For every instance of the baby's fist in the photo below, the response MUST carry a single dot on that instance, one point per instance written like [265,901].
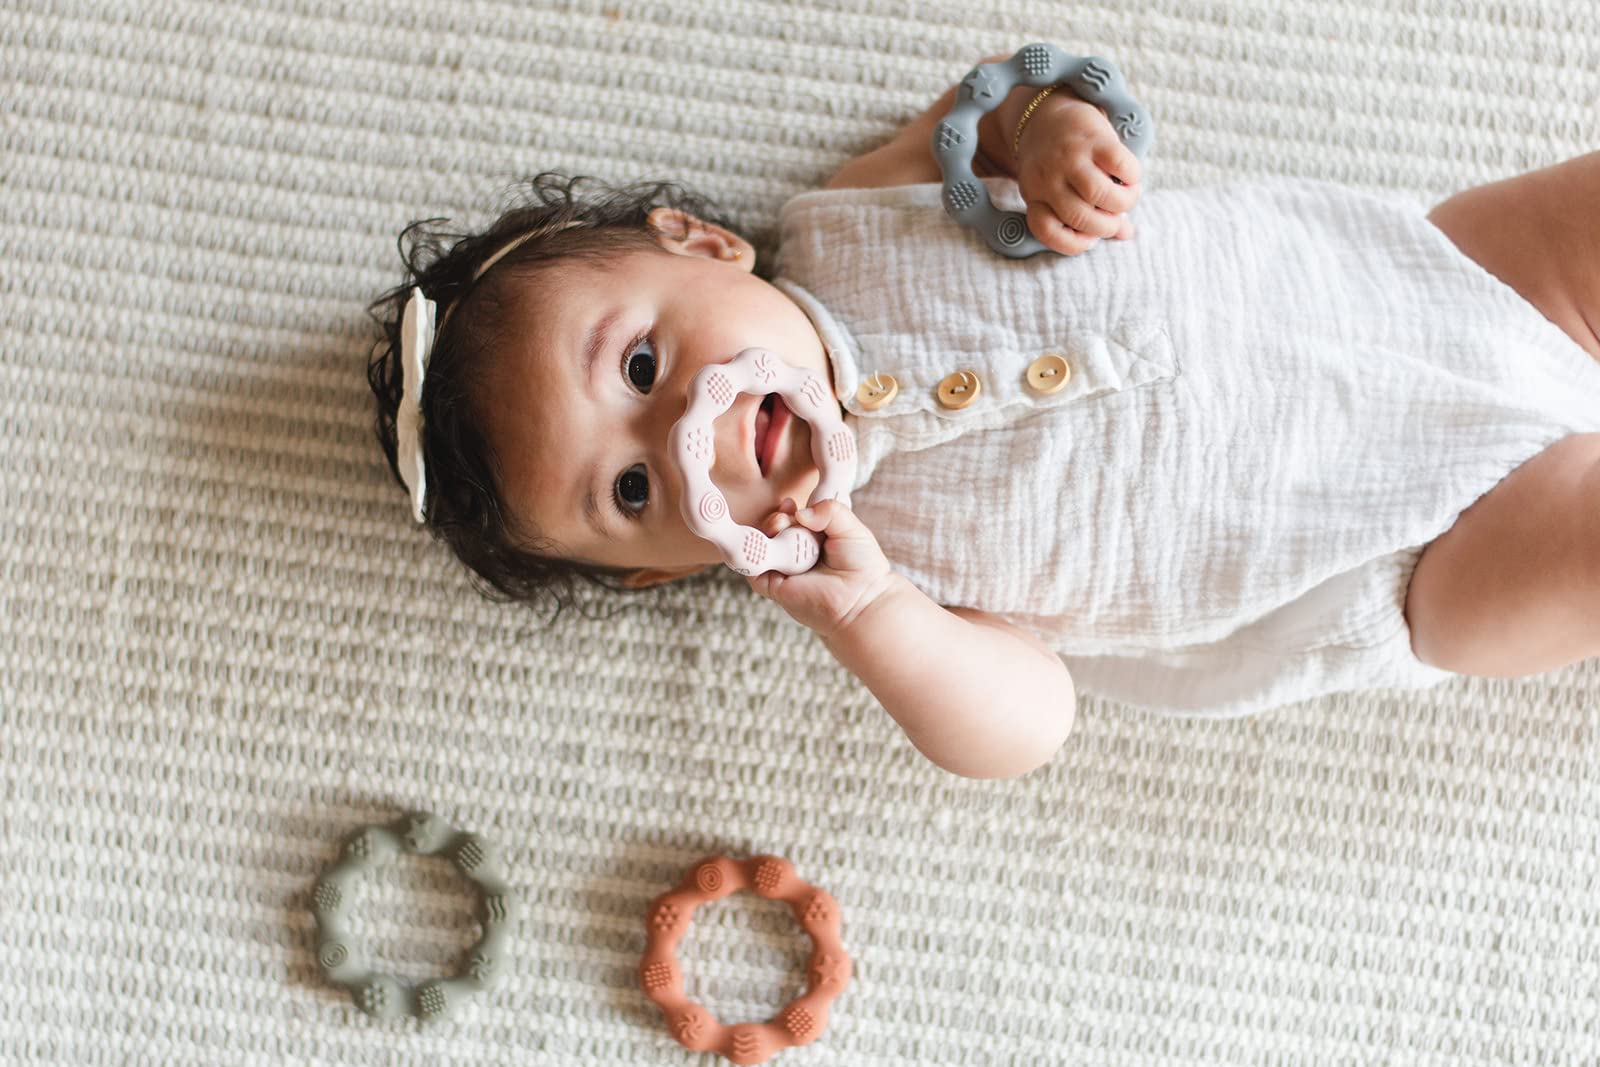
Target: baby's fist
[851,572]
[1079,180]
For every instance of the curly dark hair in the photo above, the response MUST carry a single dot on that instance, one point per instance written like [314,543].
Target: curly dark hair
[464,505]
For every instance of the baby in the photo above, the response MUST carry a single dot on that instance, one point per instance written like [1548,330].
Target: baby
[1284,439]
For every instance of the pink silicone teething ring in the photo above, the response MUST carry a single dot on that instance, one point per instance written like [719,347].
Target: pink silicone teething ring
[711,392]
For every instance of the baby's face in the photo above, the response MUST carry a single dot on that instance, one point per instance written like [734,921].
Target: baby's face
[563,433]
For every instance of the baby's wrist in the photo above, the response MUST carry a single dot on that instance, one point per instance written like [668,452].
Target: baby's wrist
[890,586]
[1063,99]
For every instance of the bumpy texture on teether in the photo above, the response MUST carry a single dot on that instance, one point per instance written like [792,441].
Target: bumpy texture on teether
[711,392]
[955,139]
[345,961]
[802,1020]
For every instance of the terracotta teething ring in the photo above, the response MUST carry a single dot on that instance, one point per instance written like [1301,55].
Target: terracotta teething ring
[802,1020]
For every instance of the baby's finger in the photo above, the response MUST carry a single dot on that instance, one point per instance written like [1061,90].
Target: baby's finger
[1120,164]
[1053,233]
[1099,192]
[1077,215]
[829,517]
[779,520]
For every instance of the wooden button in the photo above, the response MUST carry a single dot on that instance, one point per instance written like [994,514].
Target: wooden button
[1048,373]
[877,391]
[958,390]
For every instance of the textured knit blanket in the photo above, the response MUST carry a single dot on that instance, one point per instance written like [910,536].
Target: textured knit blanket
[224,645]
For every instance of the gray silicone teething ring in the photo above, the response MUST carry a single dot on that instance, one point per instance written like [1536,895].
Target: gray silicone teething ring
[955,139]
[344,960]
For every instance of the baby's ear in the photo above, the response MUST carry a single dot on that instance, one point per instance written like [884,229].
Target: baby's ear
[643,579]
[684,234]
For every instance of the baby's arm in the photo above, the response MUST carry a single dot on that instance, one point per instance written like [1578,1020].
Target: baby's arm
[1077,178]
[908,159]
[976,695]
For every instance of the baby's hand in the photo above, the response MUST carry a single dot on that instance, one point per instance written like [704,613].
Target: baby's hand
[850,574]
[1076,175]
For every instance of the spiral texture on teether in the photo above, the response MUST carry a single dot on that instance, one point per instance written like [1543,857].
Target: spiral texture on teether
[709,878]
[713,507]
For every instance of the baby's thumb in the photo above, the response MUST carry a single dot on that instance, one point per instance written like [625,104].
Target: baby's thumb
[781,519]
[831,516]
[773,525]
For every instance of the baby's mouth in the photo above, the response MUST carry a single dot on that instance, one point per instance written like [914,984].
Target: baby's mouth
[763,424]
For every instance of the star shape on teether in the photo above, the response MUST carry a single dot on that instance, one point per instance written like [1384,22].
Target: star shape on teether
[980,84]
[828,970]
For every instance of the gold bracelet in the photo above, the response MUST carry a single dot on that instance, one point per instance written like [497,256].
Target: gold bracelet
[1016,142]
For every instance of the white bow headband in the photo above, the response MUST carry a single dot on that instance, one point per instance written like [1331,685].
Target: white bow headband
[417,335]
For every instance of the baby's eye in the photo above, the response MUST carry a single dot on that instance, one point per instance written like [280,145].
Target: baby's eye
[634,362]
[633,486]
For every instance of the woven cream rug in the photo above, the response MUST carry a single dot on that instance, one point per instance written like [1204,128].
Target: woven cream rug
[223,645]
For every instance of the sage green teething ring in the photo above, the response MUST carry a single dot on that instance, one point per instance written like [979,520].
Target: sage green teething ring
[346,962]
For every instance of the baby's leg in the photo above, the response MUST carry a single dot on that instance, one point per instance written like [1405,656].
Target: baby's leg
[1540,234]
[1513,587]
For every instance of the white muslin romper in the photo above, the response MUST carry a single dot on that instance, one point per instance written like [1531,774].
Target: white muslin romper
[1280,391]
